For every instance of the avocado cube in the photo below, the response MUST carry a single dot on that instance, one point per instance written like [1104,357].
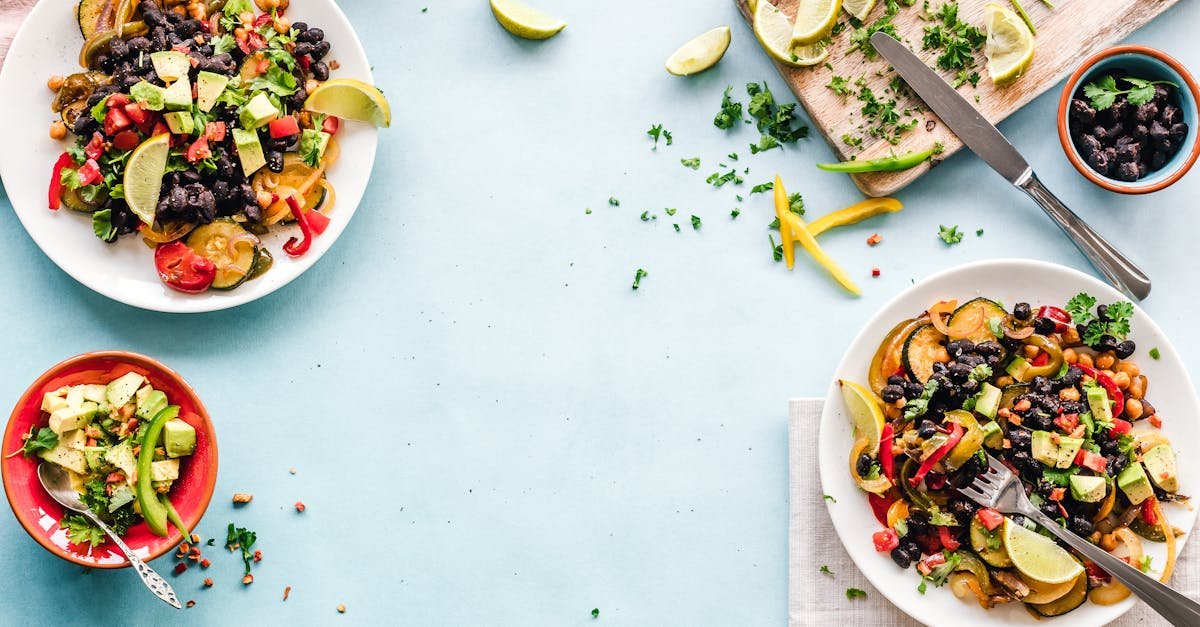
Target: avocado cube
[151,96]
[94,393]
[208,88]
[121,497]
[75,396]
[52,401]
[993,435]
[1134,483]
[180,122]
[989,396]
[1043,448]
[1088,489]
[73,439]
[1097,400]
[1018,368]
[122,457]
[94,456]
[69,418]
[257,112]
[149,407]
[170,65]
[1160,466]
[122,389]
[313,142]
[69,458]
[164,470]
[179,438]
[249,151]
[178,96]
[1068,448]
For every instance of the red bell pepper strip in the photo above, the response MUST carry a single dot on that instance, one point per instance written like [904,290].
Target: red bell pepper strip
[262,20]
[1114,392]
[886,461]
[886,540]
[989,518]
[89,173]
[947,539]
[1148,515]
[319,222]
[1060,317]
[64,161]
[293,247]
[285,126]
[956,434]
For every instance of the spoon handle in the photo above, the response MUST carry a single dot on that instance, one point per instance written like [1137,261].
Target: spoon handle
[152,579]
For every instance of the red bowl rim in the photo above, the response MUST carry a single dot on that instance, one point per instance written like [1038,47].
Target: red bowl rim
[1064,103]
[134,359]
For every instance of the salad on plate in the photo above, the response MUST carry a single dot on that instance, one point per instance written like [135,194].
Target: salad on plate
[1055,394]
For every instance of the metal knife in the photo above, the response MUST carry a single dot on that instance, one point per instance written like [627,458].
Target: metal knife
[984,140]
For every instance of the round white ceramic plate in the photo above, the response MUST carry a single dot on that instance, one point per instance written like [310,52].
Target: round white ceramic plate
[1008,281]
[48,43]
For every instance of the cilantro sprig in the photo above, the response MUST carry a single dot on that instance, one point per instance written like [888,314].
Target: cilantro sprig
[43,439]
[1104,92]
[951,235]
[1115,321]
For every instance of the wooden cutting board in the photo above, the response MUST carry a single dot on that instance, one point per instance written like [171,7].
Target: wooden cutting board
[1066,35]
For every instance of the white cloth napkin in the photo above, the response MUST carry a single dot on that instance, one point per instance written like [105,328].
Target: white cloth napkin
[815,598]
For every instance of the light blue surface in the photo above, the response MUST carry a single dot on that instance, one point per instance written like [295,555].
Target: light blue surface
[489,426]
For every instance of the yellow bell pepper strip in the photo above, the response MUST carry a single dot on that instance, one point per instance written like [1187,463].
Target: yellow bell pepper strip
[792,229]
[153,509]
[854,214]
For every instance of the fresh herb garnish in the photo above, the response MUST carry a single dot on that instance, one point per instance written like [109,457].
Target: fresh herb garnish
[102,225]
[638,276]
[1103,93]
[825,570]
[775,121]
[1155,354]
[595,612]
[670,211]
[855,593]
[1144,563]
[716,179]
[762,187]
[44,439]
[614,202]
[776,249]
[829,498]
[1115,321]
[957,40]
[696,222]
[657,131]
[950,235]
[730,113]
[916,407]
[241,538]
[734,214]
[81,531]
[693,163]
[840,85]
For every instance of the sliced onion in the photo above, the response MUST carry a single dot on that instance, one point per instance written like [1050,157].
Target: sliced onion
[1018,334]
[944,307]
[241,238]
[1110,594]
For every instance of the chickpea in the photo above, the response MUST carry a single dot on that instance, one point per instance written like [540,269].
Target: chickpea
[1085,360]
[266,5]
[1031,351]
[239,33]
[1004,381]
[1070,336]
[1105,360]
[55,82]
[197,11]
[1121,379]
[1069,394]
[265,199]
[58,130]
[1070,356]
[1095,537]
[1108,542]
[281,24]
[310,86]
[1137,386]
[1133,408]
[1128,368]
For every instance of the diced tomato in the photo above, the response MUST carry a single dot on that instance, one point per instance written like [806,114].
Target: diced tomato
[264,64]
[1148,515]
[1057,494]
[262,20]
[319,222]
[331,125]
[879,504]
[198,150]
[286,126]
[115,121]
[1095,571]
[1120,427]
[929,562]
[215,131]
[1042,359]
[117,101]
[159,129]
[126,140]
[886,540]
[95,147]
[1067,422]
[305,62]
[89,173]
[947,538]
[136,113]
[1060,317]
[182,269]
[990,518]
[1091,461]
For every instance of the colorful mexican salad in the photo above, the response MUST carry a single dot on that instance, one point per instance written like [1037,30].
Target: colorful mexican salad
[199,126]
[122,444]
[1051,391]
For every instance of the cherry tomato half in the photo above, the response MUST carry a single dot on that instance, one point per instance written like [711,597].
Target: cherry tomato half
[182,269]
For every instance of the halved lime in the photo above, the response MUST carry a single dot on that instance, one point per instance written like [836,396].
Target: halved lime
[525,21]
[814,21]
[858,9]
[1009,46]
[144,174]
[865,414]
[350,99]
[1037,557]
[700,53]
[774,32]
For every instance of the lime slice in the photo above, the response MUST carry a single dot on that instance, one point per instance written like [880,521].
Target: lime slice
[752,5]
[144,174]
[1009,46]
[858,9]
[774,32]
[700,53]
[1037,557]
[525,21]
[865,414]
[815,20]
[349,99]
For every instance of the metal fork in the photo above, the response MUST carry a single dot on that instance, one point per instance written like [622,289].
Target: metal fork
[999,488]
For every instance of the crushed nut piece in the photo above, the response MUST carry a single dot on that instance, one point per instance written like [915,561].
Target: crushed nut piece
[258,556]
[341,608]
[195,539]
[874,240]
[300,506]
[247,580]
[180,567]
[242,497]
[191,603]
[204,563]
[287,590]
[292,470]
[208,582]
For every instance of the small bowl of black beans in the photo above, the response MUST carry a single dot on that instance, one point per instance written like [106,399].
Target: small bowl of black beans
[1127,119]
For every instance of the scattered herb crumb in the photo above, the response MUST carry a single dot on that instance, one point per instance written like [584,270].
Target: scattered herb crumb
[716,179]
[612,200]
[978,232]
[730,113]
[950,235]
[595,612]
[693,163]
[776,249]
[587,211]
[762,187]
[696,222]
[676,225]
[830,498]
[840,85]
[733,156]
[1155,354]
[777,123]
[855,593]
[735,213]
[658,132]
[671,211]
[646,217]
[239,538]
[638,276]
[825,570]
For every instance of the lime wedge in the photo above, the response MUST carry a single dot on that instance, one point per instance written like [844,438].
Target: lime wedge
[700,53]
[1009,46]
[349,99]
[865,414]
[815,20]
[1037,557]
[144,175]
[525,21]
[774,32]
[858,9]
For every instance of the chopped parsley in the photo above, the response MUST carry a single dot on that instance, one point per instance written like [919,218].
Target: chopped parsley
[762,187]
[676,225]
[777,123]
[1103,93]
[950,235]
[696,222]
[737,212]
[829,498]
[916,407]
[614,202]
[978,232]
[825,570]
[957,40]
[638,276]
[730,113]
[855,593]
[1155,354]
[670,211]
[657,131]
[776,249]
[595,612]
[80,530]
[240,538]
[965,76]
[840,85]
[716,179]
[860,39]
[43,440]
[1115,322]
[693,163]
[646,217]
[733,156]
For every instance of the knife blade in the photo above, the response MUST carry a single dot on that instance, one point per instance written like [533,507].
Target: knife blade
[986,141]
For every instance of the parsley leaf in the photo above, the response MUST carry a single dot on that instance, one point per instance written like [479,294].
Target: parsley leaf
[950,235]
[916,407]
[825,570]
[855,593]
[43,440]
[81,531]
[223,44]
[102,225]
[840,85]
[693,163]
[638,276]
[243,539]
[614,202]
[1104,92]
[1080,307]
[1155,354]
[775,122]
[656,131]
[730,113]
[595,612]
[829,498]
[762,187]
[696,222]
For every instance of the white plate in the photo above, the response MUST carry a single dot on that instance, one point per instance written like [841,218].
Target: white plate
[48,43]
[1009,281]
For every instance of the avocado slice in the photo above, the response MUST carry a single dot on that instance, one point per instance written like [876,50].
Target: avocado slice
[257,112]
[1043,448]
[989,395]
[993,435]
[1097,400]
[208,88]
[69,458]
[179,438]
[164,470]
[121,390]
[149,407]
[1134,483]
[178,96]
[1160,466]
[249,151]
[313,141]
[1068,448]
[180,122]
[1088,489]
[121,456]
[1018,368]
[170,65]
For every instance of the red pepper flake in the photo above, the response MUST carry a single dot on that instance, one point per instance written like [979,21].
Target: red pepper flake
[180,567]
[874,240]
[258,556]
[190,603]
[208,582]
[300,506]
[296,247]
[287,591]
[205,563]
[874,271]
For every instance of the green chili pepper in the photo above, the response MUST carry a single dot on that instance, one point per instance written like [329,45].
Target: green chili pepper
[173,516]
[153,509]
[893,163]
[1053,350]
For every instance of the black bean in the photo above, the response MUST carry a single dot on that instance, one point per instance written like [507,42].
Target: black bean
[1146,112]
[1169,115]
[1071,377]
[912,389]
[1158,131]
[320,50]
[172,17]
[1022,310]
[1050,508]
[1082,112]
[1177,131]
[118,48]
[152,15]
[1126,349]
[1041,385]
[927,429]
[1026,463]
[320,71]
[1129,153]
[891,393]
[302,49]
[1081,526]
[299,27]
[971,360]
[988,348]
[275,160]
[863,464]
[1116,463]
[900,556]
[1158,159]
[896,380]
[187,28]
[1019,438]
[1044,326]
[311,36]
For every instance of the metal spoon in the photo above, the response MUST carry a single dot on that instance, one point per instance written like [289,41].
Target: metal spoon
[58,485]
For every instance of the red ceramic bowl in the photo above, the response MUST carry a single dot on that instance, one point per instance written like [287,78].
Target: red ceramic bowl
[39,514]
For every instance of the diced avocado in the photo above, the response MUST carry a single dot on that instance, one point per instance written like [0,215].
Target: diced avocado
[257,112]
[178,96]
[1068,448]
[73,439]
[69,458]
[1097,400]
[1088,489]
[1134,483]
[140,397]
[180,122]
[208,88]
[313,142]
[149,407]
[249,151]
[120,390]
[55,400]
[120,497]
[989,395]
[170,65]
[122,457]
[94,455]
[75,396]
[69,418]
[179,438]
[1160,465]
[993,435]
[164,470]
[94,393]
[1043,448]
[151,96]
[1018,368]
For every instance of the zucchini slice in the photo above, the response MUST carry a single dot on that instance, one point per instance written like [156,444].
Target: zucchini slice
[72,199]
[262,264]
[95,16]
[997,557]
[922,349]
[1068,602]
[970,320]
[231,248]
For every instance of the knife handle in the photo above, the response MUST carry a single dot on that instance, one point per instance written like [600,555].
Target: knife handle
[1115,266]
